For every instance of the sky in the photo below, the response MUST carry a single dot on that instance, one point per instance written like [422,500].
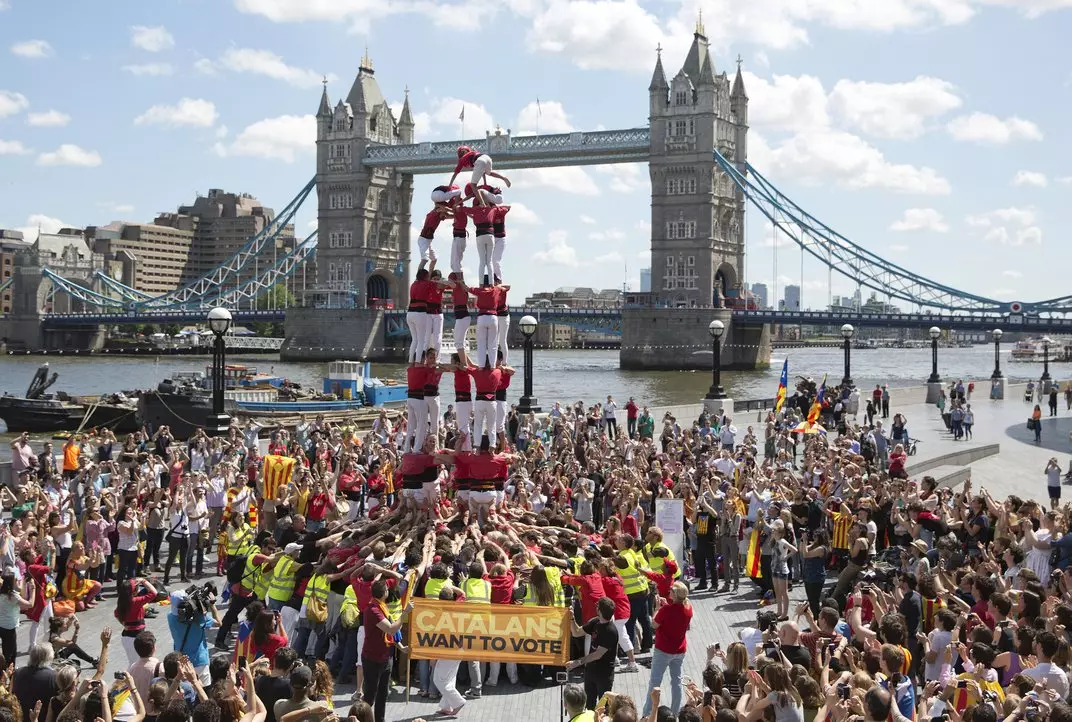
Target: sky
[932,132]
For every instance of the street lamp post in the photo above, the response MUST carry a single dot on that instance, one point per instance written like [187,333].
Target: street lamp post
[1046,341]
[219,321]
[716,328]
[935,332]
[528,402]
[997,353]
[847,331]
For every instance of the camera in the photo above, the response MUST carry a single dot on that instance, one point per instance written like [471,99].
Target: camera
[120,675]
[843,691]
[562,677]
[198,602]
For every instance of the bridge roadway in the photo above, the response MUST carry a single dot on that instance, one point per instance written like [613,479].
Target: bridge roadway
[611,317]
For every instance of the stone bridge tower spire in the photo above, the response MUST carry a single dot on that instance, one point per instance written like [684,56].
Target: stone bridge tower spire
[697,216]
[363,213]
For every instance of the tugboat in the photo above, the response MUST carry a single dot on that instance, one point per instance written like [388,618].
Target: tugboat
[40,412]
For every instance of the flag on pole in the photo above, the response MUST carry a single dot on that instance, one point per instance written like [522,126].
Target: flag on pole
[752,563]
[783,387]
[817,406]
[539,111]
[461,115]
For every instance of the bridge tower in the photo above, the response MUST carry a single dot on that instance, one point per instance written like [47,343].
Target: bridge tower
[697,214]
[363,213]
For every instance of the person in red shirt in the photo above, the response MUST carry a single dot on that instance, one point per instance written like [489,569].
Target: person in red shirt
[446,194]
[498,229]
[432,377]
[506,373]
[631,414]
[502,318]
[377,653]
[434,301]
[590,584]
[487,326]
[457,248]
[492,196]
[416,410]
[459,297]
[487,382]
[417,316]
[663,580]
[612,586]
[671,623]
[480,163]
[463,397]
[424,241]
[420,478]
[484,468]
[484,218]
[320,501]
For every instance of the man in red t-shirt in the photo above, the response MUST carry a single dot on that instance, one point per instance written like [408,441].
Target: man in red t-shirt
[631,413]
[457,248]
[502,320]
[484,218]
[378,650]
[416,409]
[487,323]
[463,398]
[424,241]
[500,397]
[417,316]
[459,298]
[446,194]
[481,165]
[487,382]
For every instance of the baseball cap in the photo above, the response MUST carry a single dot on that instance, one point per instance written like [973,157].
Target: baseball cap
[301,677]
[292,548]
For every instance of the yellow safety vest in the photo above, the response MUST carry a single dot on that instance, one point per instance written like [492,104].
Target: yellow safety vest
[477,591]
[633,580]
[657,563]
[236,546]
[318,587]
[281,588]
[530,596]
[575,564]
[433,587]
[251,573]
[263,579]
[554,577]
[394,609]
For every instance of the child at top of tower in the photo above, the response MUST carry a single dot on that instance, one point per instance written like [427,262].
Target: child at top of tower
[481,165]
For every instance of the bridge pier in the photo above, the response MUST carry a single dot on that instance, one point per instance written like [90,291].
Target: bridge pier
[338,334]
[671,339]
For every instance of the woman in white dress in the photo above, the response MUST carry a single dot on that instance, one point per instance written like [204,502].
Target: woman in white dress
[1038,546]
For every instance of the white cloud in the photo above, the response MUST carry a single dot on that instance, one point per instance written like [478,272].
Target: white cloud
[151,69]
[282,138]
[548,117]
[70,154]
[569,179]
[444,112]
[152,39]
[558,251]
[32,49]
[267,63]
[360,14]
[588,219]
[609,258]
[1064,180]
[989,129]
[48,119]
[520,213]
[190,112]
[596,34]
[422,122]
[1030,178]
[893,110]
[1031,8]
[921,219]
[39,222]
[820,155]
[205,66]
[13,147]
[625,177]
[1008,226]
[12,103]
[786,102]
[1012,274]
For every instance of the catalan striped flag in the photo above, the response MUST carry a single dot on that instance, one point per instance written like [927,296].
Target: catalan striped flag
[232,492]
[277,472]
[752,562]
[817,406]
[783,387]
[965,697]
[931,608]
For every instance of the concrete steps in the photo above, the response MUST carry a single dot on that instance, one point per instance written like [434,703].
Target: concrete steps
[947,475]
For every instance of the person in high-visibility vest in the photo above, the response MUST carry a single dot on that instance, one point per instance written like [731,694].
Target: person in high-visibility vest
[477,590]
[284,575]
[315,602]
[614,588]
[654,539]
[631,565]
[243,591]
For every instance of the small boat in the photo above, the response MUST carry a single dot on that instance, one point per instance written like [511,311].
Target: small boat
[41,412]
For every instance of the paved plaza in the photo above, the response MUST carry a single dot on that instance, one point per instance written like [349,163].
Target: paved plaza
[1018,469]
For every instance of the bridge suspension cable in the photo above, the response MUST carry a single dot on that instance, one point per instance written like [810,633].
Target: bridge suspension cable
[857,263]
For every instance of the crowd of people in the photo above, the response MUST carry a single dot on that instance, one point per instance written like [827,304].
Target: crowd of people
[921,602]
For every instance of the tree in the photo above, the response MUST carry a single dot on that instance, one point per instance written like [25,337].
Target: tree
[147,329]
[172,329]
[278,296]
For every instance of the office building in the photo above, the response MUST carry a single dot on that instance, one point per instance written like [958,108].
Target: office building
[759,293]
[155,258]
[11,242]
[645,280]
[792,298]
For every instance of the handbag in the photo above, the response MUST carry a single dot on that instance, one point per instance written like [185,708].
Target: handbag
[315,610]
[349,616]
[51,590]
[1031,423]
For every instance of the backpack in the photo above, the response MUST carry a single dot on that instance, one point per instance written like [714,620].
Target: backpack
[236,567]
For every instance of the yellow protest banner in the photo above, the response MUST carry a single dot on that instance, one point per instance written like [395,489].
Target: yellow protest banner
[489,632]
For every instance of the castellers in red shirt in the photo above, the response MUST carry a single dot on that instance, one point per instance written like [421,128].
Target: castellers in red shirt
[471,159]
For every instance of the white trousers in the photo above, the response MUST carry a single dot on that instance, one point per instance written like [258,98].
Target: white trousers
[418,333]
[461,327]
[439,196]
[41,624]
[465,421]
[424,245]
[128,647]
[492,199]
[624,642]
[503,324]
[483,421]
[445,679]
[431,410]
[496,256]
[500,417]
[435,333]
[457,253]
[485,246]
[487,340]
[480,166]
[417,426]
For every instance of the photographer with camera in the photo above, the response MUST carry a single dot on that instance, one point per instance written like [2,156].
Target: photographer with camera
[192,614]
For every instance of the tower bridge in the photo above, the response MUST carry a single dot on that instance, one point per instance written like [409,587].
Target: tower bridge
[696,146]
